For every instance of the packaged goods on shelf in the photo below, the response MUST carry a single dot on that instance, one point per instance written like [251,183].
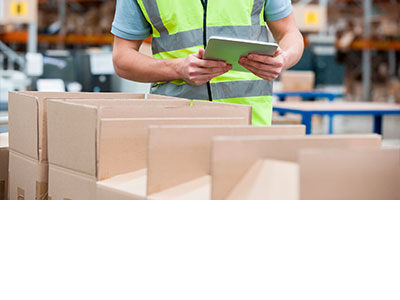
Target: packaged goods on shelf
[18,12]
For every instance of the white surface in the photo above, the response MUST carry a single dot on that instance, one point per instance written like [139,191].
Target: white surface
[180,250]
[34,64]
[50,85]
[101,63]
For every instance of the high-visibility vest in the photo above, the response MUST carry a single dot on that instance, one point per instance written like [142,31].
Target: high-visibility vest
[182,27]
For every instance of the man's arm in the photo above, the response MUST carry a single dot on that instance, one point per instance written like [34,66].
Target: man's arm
[291,47]
[132,65]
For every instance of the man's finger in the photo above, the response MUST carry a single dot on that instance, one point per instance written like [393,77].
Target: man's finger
[200,54]
[268,60]
[206,63]
[214,70]
[247,62]
[261,74]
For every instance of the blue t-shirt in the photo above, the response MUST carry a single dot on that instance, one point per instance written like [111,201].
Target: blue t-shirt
[129,22]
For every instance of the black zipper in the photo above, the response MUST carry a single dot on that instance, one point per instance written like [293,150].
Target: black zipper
[204,3]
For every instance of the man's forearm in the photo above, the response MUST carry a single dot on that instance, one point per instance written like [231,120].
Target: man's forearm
[136,66]
[292,44]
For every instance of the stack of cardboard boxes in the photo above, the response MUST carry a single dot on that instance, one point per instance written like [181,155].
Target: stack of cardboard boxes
[127,146]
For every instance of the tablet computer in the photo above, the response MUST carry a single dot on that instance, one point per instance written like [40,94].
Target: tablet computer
[230,50]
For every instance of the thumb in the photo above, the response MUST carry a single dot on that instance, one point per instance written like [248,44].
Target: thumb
[200,54]
[278,51]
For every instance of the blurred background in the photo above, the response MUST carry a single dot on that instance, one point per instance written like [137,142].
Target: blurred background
[352,51]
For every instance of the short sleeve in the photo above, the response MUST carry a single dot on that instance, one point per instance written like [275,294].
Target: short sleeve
[129,22]
[277,9]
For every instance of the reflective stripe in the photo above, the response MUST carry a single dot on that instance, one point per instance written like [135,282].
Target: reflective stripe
[257,9]
[155,17]
[220,90]
[241,89]
[181,91]
[181,40]
[192,38]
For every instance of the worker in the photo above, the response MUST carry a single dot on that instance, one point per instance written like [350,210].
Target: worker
[180,30]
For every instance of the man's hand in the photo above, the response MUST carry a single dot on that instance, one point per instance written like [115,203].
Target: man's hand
[263,66]
[196,71]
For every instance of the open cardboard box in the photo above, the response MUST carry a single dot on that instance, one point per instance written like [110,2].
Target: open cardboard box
[331,174]
[179,157]
[351,174]
[27,116]
[28,120]
[28,135]
[235,173]
[89,143]
[3,166]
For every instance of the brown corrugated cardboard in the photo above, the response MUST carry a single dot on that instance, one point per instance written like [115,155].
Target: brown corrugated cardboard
[130,186]
[341,174]
[65,184]
[27,178]
[268,180]
[28,117]
[88,143]
[122,146]
[177,109]
[297,81]
[196,189]
[3,166]
[178,155]
[106,147]
[229,167]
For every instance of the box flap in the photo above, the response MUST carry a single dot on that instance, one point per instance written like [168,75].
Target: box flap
[127,186]
[123,142]
[350,174]
[23,121]
[233,165]
[28,177]
[72,134]
[197,189]
[268,180]
[178,154]
[177,109]
[65,184]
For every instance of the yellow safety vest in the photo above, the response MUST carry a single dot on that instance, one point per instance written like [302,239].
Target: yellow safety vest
[182,27]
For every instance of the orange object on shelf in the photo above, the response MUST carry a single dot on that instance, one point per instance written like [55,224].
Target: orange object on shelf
[70,39]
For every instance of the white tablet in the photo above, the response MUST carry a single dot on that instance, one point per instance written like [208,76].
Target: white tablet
[230,50]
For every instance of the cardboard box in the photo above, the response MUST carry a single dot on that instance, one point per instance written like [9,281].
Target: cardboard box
[18,11]
[268,180]
[28,122]
[28,116]
[230,167]
[295,81]
[103,142]
[65,184]
[341,174]
[179,157]
[3,166]
[311,17]
[130,186]
[27,178]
